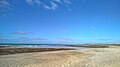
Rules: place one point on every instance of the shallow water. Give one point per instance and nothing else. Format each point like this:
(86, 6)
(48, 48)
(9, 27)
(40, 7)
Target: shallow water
(35, 46)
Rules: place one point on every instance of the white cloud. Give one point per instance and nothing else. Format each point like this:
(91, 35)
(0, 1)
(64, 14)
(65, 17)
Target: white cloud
(38, 2)
(22, 32)
(53, 5)
(29, 2)
(67, 1)
(29, 38)
(50, 5)
(47, 7)
(65, 39)
(58, 1)
(4, 3)
(33, 2)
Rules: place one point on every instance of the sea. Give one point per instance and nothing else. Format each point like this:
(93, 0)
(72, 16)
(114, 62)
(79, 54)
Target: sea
(36, 45)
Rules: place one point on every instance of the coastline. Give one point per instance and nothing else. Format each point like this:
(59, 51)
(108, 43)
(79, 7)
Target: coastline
(8, 49)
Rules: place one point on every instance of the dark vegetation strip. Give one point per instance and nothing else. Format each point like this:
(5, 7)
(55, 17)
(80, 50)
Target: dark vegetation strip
(6, 51)
(90, 46)
(96, 46)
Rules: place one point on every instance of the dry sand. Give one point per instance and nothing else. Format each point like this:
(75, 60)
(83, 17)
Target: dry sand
(105, 57)
(94, 57)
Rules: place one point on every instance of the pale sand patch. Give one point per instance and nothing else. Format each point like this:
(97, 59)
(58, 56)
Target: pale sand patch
(63, 59)
(68, 58)
(105, 57)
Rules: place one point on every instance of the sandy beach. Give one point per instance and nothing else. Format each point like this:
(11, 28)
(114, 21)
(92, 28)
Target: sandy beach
(92, 57)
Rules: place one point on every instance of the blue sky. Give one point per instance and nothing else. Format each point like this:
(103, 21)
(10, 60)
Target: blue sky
(60, 21)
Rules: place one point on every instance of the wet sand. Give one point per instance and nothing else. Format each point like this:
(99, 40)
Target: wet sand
(93, 57)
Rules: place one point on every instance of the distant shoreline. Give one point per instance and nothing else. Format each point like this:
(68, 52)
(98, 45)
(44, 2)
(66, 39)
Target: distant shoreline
(6, 50)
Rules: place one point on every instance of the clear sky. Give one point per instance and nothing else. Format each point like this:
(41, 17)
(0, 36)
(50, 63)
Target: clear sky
(60, 21)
